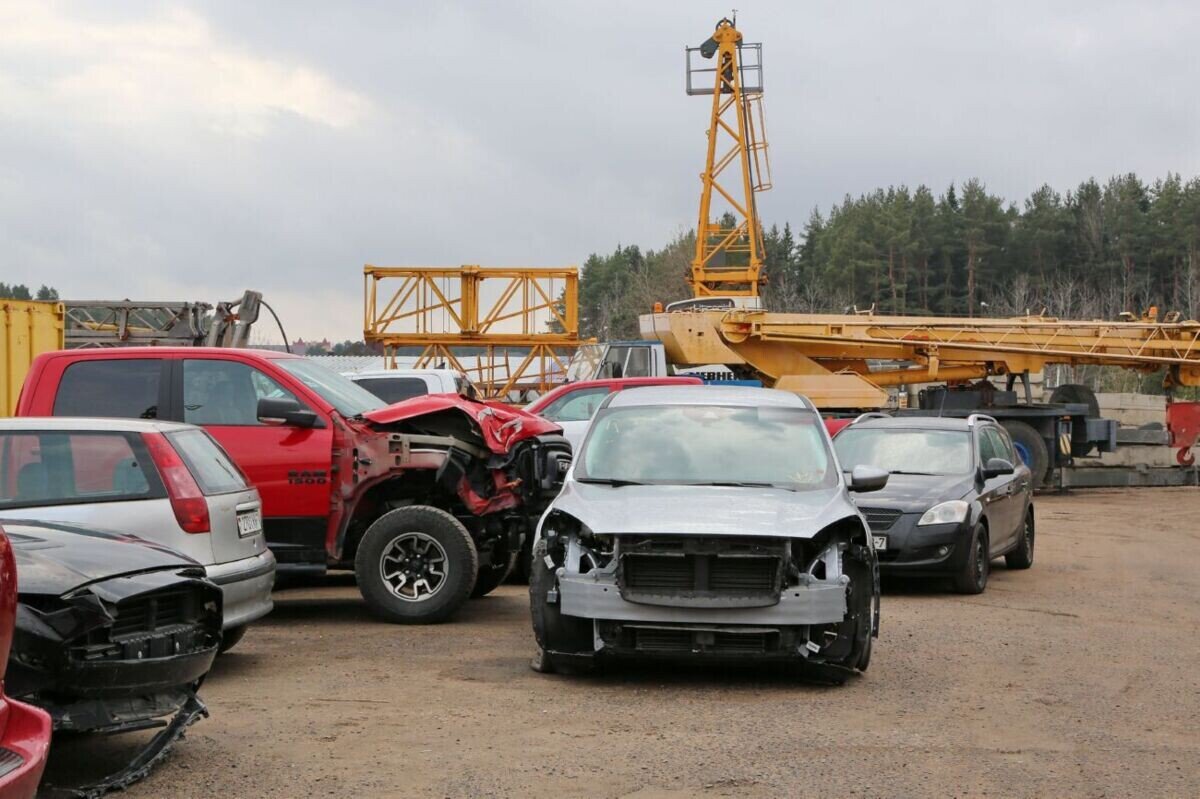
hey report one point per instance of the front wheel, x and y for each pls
(972, 576)
(492, 575)
(230, 638)
(416, 565)
(1022, 556)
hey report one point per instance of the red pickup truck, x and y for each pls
(428, 500)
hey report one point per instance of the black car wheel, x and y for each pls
(972, 575)
(1022, 556)
(416, 565)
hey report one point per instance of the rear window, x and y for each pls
(123, 389)
(215, 473)
(394, 389)
(47, 468)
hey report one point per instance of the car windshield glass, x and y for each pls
(586, 362)
(340, 392)
(942, 452)
(706, 445)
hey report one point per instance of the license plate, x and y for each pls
(249, 523)
(880, 541)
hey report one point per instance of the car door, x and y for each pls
(1022, 492)
(1005, 511)
(289, 465)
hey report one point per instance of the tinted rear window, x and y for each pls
(208, 463)
(121, 389)
(394, 389)
(59, 468)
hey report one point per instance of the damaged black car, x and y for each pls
(113, 634)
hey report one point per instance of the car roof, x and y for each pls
(87, 423)
(401, 373)
(623, 382)
(101, 353)
(744, 396)
(913, 423)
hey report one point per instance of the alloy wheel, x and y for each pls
(413, 566)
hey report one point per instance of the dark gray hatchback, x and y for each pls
(958, 496)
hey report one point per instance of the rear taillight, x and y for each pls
(188, 502)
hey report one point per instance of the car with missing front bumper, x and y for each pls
(958, 496)
(706, 522)
(112, 632)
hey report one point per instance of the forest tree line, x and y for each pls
(1093, 252)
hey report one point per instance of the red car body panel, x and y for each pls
(612, 384)
(834, 426)
(24, 729)
(502, 425)
(296, 469)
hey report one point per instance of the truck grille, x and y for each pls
(880, 519)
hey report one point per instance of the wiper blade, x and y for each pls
(920, 474)
(605, 481)
(742, 484)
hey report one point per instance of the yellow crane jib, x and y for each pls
(729, 251)
(828, 357)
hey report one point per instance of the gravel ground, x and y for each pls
(1076, 678)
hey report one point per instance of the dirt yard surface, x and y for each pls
(1080, 677)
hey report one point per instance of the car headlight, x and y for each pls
(952, 512)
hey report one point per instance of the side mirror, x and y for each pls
(867, 478)
(997, 467)
(287, 411)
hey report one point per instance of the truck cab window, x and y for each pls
(225, 392)
(126, 388)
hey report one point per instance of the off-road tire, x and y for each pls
(564, 643)
(462, 565)
(230, 637)
(1022, 556)
(491, 577)
(972, 575)
(1033, 443)
(1076, 393)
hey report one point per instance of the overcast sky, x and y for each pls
(181, 150)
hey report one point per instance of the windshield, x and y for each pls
(902, 450)
(706, 445)
(340, 392)
(586, 362)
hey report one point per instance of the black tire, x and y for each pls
(491, 577)
(564, 643)
(1077, 394)
(972, 575)
(1022, 556)
(230, 638)
(422, 535)
(1039, 457)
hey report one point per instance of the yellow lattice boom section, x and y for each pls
(522, 322)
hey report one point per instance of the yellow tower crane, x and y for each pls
(729, 256)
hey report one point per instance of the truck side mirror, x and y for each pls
(867, 478)
(288, 411)
(997, 467)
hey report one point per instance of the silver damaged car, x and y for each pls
(707, 522)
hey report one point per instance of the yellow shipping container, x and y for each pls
(29, 329)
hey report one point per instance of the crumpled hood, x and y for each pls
(53, 559)
(916, 493)
(703, 510)
(500, 425)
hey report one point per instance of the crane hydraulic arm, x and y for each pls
(841, 360)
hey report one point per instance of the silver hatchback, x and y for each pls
(168, 483)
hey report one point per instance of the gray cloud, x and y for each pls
(190, 151)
